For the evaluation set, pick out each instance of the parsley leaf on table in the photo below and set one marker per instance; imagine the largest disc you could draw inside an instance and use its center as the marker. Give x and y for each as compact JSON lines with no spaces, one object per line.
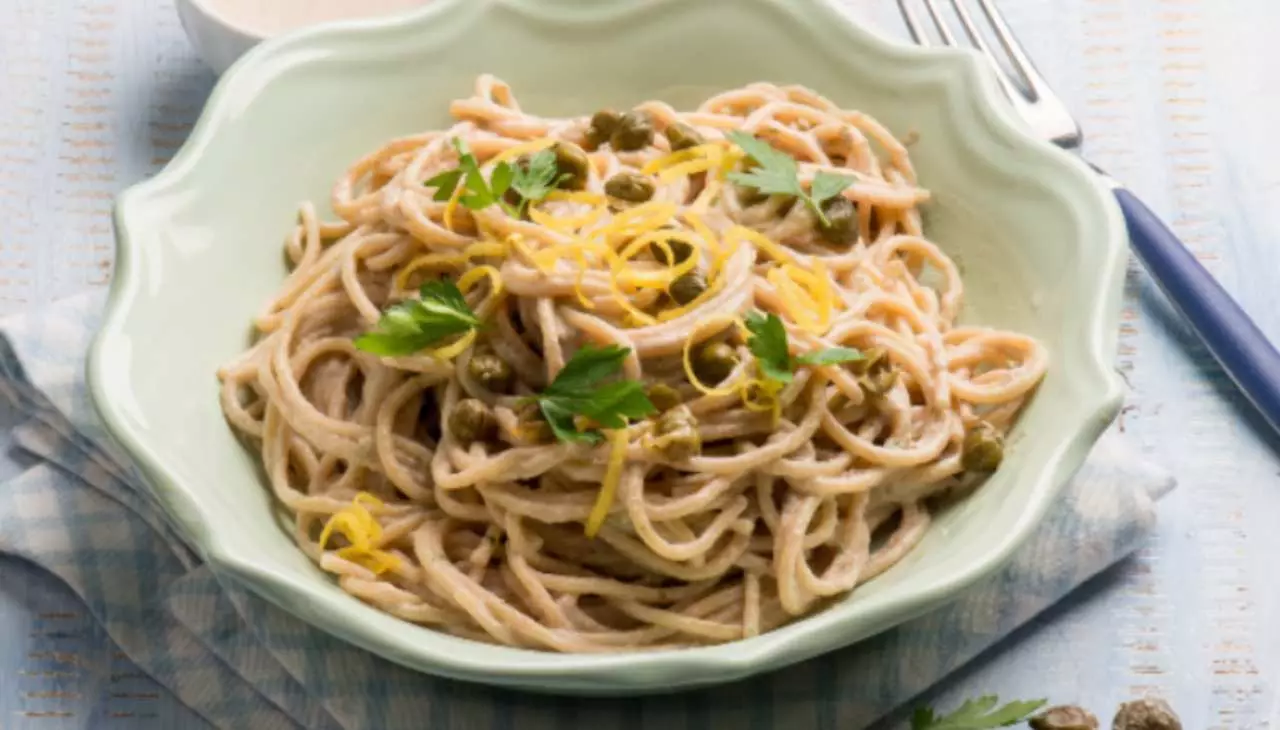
{"x":532,"y":181}
{"x":779,"y":174}
{"x":579,"y":390}
{"x":976,"y":714}
{"x":411,"y":325}
{"x":768,"y":342}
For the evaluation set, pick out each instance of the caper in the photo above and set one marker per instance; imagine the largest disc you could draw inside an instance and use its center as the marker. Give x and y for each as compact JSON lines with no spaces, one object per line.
{"x":471,"y":420}
{"x":1146,"y":714}
{"x":1064,"y":717}
{"x":842,"y":219}
{"x":748,"y":196}
{"x":676,"y":434}
{"x":603,"y":123}
{"x":491,"y":371}
{"x":532,"y":426}
{"x":714,"y":362}
{"x":680,"y":250}
{"x":629,"y":186}
{"x":572,"y":165}
{"x":681,"y":136}
{"x":983,"y":449}
{"x":663,"y":397}
{"x":875,"y":371}
{"x":634,"y":132}
{"x":687,"y":287}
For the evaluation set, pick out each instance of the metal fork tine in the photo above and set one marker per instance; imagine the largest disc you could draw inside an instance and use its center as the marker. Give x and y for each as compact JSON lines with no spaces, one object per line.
{"x":1027,"y":90}
{"x":913,"y":24}
{"x":1021,"y":61}
{"x":939,"y":22}
{"x":971,"y":29}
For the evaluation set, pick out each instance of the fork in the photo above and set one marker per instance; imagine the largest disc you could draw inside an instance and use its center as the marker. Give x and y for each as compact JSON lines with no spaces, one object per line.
{"x":1242,"y":350}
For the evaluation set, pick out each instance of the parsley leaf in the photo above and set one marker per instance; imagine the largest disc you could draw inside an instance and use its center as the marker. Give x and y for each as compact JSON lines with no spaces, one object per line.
{"x":578,"y":390}
{"x":779,"y":174}
{"x":976,"y":714}
{"x":768,"y":342}
{"x":414,"y":324}
{"x":830,"y":356}
{"x":532,"y":181}
{"x":538,"y":178}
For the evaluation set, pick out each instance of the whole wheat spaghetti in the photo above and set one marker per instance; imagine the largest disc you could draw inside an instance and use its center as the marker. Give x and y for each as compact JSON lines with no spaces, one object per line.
{"x":430,"y":483}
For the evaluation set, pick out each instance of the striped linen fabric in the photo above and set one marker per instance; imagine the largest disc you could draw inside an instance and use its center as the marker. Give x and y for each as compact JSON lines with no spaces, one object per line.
{"x":84,"y":513}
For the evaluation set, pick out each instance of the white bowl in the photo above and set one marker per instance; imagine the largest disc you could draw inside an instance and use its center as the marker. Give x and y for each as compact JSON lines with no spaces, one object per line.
{"x":1040,"y":242}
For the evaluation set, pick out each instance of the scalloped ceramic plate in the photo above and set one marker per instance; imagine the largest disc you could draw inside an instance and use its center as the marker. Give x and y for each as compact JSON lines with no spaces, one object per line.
{"x":1040,"y":243}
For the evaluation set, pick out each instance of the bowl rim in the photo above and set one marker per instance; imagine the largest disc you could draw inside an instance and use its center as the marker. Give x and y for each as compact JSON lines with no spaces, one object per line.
{"x":621,"y":672}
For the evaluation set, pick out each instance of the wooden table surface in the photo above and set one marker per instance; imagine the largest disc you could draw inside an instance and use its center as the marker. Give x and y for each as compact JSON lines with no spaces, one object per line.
{"x":1176,"y":100}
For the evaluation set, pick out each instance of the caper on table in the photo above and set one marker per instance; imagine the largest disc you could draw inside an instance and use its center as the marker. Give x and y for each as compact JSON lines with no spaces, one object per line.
{"x":1064,"y":717}
{"x":472,"y":420}
{"x":1146,"y":714}
{"x":634,"y":132}
{"x":629,"y":186}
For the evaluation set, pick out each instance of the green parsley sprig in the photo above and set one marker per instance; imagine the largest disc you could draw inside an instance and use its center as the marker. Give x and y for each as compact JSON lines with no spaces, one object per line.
{"x":579,"y":390}
{"x":976,"y":714}
{"x":779,"y":174}
{"x":411,"y":325}
{"x":531,"y":181}
{"x":768,"y":342}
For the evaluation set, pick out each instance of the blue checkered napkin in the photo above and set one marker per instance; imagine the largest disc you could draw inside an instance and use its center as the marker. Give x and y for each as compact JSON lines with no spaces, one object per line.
{"x":239,"y":662}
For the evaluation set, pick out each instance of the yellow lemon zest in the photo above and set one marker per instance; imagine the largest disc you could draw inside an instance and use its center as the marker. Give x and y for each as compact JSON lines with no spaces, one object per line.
{"x":609,"y":487}
{"x":660,"y":279}
{"x":740,"y":234}
{"x":455,"y":348}
{"x":566,"y":223}
{"x":361,"y":529}
{"x":468,"y":280}
{"x":676,"y":158}
{"x":525,"y":148}
{"x":483,"y":249}
{"x":796,"y":303}
{"x":515,"y":242}
{"x":816,"y":284}
{"x":577,"y":196}
{"x":634,"y":221}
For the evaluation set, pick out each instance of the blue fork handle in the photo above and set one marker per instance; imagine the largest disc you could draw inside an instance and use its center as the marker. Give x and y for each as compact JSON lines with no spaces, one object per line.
{"x":1239,"y":346}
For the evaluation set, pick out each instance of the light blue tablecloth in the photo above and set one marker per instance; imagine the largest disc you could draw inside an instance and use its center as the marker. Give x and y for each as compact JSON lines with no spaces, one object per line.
{"x":1176,"y":99}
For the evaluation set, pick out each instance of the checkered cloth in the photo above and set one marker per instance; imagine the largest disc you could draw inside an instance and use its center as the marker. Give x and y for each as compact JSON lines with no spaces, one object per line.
{"x":84,"y":514}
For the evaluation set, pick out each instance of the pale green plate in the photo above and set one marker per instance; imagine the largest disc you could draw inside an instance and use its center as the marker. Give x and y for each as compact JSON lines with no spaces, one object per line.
{"x":1041,"y":246}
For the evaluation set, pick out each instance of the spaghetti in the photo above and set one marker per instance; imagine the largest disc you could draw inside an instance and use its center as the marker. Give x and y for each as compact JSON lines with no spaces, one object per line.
{"x":746,"y":499}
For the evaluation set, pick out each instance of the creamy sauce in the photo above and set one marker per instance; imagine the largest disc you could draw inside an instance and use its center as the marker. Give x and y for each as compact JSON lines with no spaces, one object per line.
{"x":272,"y":17}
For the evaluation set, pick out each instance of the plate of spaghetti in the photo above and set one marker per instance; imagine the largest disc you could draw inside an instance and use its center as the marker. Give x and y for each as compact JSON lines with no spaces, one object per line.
{"x":610,"y":386}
